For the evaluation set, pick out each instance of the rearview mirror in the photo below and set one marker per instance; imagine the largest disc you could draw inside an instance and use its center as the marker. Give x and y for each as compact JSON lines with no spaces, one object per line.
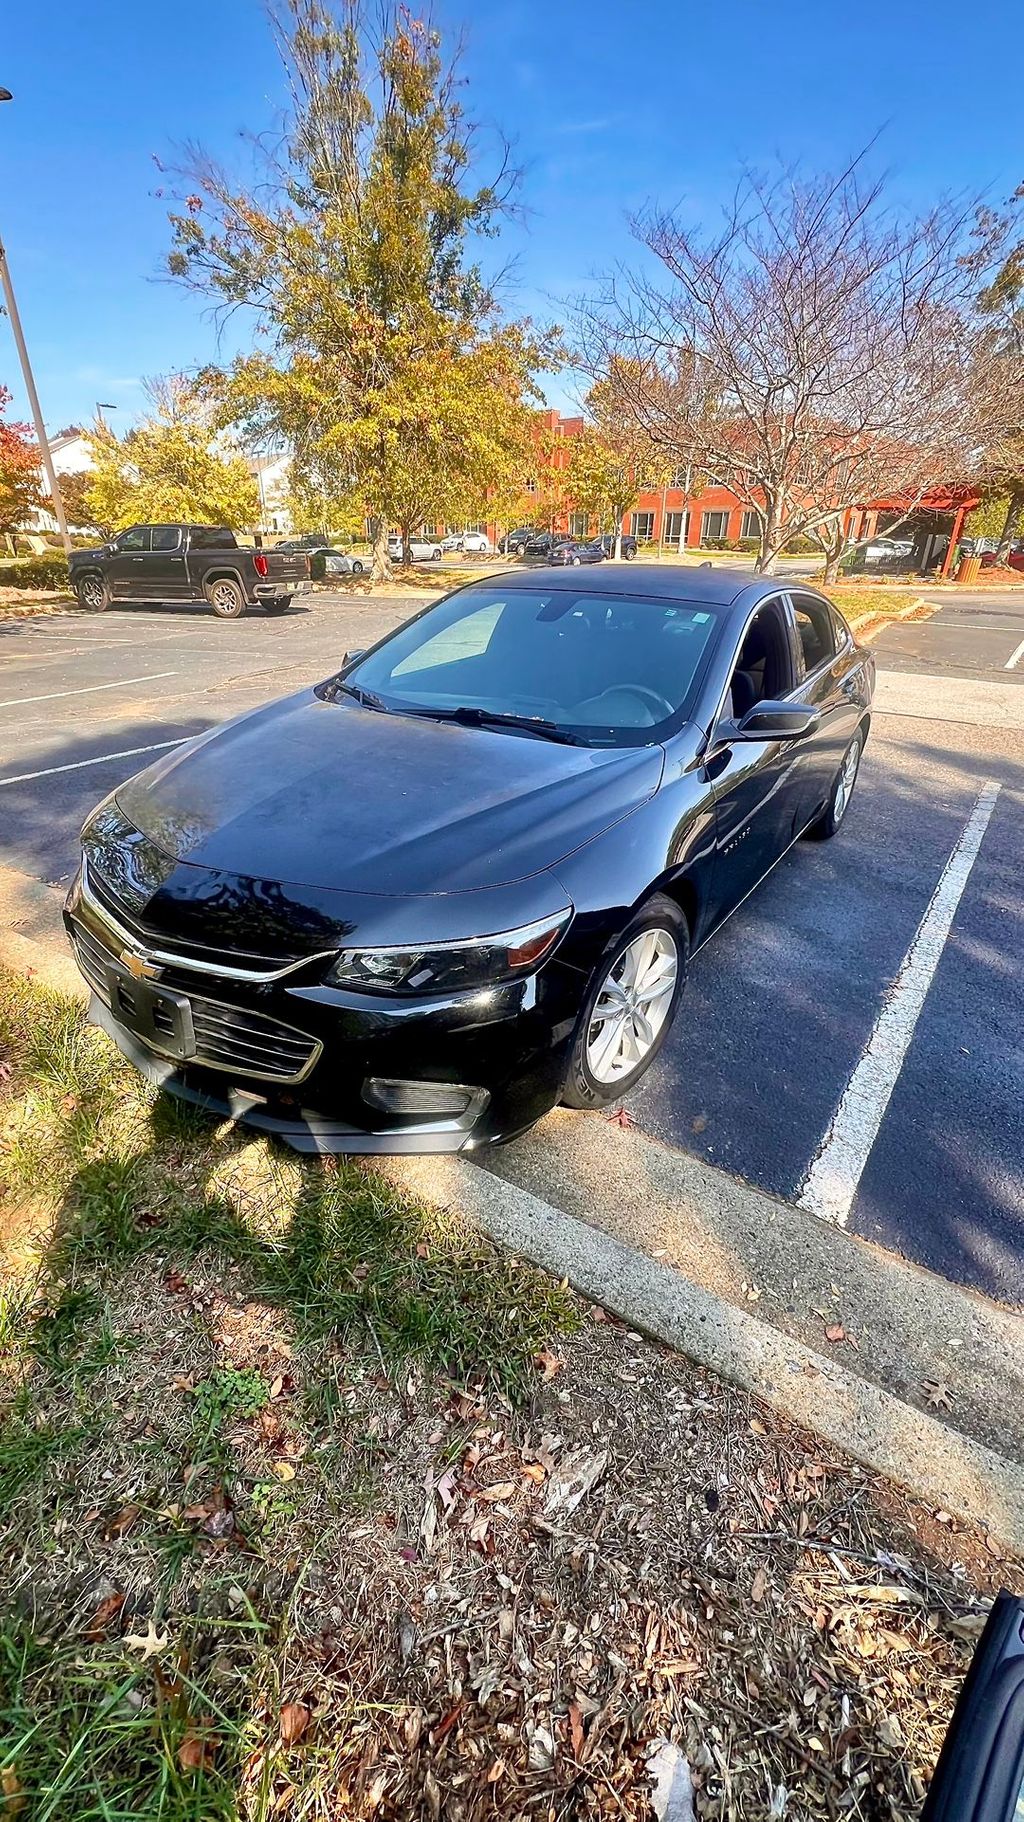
{"x":777,"y":721}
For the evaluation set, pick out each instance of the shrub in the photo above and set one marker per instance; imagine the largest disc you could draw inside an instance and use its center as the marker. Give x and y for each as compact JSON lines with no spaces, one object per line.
{"x":317,"y":566}
{"x":49,"y":571}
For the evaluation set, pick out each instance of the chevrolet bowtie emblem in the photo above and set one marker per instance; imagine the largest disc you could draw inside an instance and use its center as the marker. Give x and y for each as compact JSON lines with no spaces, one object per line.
{"x":138,"y":967}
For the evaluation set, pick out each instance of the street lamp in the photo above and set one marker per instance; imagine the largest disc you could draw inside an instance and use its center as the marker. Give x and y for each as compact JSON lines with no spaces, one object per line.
{"x":30,"y":385}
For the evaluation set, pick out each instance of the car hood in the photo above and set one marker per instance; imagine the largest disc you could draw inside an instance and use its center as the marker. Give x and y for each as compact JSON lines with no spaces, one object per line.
{"x":337,"y":797}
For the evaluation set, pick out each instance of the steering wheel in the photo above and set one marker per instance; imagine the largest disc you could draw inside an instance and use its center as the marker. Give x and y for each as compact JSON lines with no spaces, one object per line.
{"x":660,"y":705}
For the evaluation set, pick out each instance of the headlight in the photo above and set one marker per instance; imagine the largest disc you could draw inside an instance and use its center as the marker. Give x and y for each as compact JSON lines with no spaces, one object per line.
{"x":478,"y":961}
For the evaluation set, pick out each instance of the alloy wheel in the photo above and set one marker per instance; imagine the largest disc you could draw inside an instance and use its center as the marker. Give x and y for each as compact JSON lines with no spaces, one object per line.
{"x":846,"y":781}
{"x":632,"y":1005}
{"x":92,"y":591}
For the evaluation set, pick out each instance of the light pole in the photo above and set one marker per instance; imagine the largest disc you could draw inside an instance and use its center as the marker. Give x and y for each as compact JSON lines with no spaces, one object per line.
{"x":30,"y":385}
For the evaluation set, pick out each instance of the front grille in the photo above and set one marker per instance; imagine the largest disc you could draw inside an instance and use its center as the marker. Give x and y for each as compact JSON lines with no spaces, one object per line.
{"x":231,"y":1038}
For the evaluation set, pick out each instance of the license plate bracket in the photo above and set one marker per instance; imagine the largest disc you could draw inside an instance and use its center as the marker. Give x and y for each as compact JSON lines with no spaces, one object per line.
{"x":159,"y":1017}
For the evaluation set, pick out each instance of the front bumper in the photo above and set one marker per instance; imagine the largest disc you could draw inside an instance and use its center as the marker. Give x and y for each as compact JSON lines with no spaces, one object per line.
{"x":295,"y":1056}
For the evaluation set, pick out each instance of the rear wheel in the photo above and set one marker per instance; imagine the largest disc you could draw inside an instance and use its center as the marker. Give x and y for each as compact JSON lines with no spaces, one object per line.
{"x":357,"y":568}
{"x":630,"y":1006}
{"x":226,"y":599}
{"x":629,"y":555}
{"x":842,"y":790}
{"x":93,"y":593}
{"x":278,"y":606}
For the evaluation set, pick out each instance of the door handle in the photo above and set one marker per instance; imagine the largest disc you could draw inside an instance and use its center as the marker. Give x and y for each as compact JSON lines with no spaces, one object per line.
{"x":137,"y":559}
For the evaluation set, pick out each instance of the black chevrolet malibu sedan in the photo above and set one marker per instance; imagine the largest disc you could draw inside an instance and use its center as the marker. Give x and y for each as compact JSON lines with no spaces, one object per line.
{"x":414,"y":906}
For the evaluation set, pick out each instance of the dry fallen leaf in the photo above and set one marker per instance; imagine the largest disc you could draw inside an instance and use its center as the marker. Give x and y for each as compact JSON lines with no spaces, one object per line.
{"x":937,"y":1394}
{"x":496,"y":1771}
{"x":284,"y":1470}
{"x":294,"y":1720}
{"x":576,"y":1729}
{"x":547,"y":1363}
{"x":835,"y":1331}
{"x":13,"y":1795}
{"x":198,"y":1747}
{"x":104,"y":1616}
{"x":759,"y":1584}
{"x":123,"y":1521}
{"x":502,"y":1489}
{"x":150,"y":1644}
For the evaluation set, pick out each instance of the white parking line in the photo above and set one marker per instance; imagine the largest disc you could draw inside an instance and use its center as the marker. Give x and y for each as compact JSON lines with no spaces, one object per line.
{"x":159,"y":746}
{"x":1014,"y":658}
{"x":89,"y":689}
{"x":831,"y":1183}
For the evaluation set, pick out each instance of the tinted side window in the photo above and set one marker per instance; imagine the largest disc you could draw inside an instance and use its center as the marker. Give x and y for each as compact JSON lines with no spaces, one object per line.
{"x":213,"y":537}
{"x":135,"y":539}
{"x":166,"y":537}
{"x":814,"y":624}
{"x":842,"y":631}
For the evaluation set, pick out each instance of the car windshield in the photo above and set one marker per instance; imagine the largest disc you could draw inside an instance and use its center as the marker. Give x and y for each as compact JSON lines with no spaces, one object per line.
{"x":605,"y":669}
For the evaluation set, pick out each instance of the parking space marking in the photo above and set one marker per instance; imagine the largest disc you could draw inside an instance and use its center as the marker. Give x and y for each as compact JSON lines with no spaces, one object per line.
{"x":159,"y":746}
{"x":1014,"y":658}
{"x":88,"y":689}
{"x":831,"y":1183}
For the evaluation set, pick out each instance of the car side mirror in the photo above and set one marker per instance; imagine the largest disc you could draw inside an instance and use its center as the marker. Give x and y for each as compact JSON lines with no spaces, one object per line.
{"x":777,"y":721}
{"x":350,"y":657}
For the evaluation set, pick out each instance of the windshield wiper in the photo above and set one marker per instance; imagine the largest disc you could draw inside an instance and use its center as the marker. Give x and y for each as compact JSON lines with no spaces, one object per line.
{"x":334,"y":687}
{"x":472,"y":717}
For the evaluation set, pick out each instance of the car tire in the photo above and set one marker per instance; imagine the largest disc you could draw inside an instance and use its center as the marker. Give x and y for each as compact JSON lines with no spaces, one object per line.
{"x":591,"y":1079}
{"x":575,"y":562}
{"x":357,"y":567}
{"x":279,"y":606}
{"x":226,"y":599}
{"x":827,"y":824}
{"x":517,"y":550}
{"x":629,"y":555}
{"x":92,"y":592}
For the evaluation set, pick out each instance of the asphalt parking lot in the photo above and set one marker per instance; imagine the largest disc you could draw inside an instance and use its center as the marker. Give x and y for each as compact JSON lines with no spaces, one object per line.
{"x":858,"y":1022}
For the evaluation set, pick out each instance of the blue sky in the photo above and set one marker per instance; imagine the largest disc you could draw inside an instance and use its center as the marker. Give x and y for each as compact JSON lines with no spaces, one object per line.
{"x":609,"y":106}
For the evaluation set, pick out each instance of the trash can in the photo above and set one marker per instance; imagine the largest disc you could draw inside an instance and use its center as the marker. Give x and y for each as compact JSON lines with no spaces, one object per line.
{"x":969,"y":570}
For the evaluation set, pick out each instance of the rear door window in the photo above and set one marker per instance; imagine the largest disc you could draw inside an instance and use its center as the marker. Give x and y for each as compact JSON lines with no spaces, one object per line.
{"x":816,"y":630}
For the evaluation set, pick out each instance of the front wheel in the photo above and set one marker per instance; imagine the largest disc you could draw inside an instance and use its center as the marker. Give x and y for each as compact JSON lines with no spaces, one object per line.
{"x":629,"y":1007}
{"x":226,"y":599}
{"x":93,"y":593}
{"x":357,"y":568}
{"x":835,"y":810}
{"x":629,"y":555}
{"x":437,"y":554}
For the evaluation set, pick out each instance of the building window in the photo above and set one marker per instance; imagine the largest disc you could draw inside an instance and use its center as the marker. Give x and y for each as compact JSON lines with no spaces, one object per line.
{"x":714,"y":525}
{"x":641,"y":524}
{"x":679,"y":478}
{"x":531,"y":487}
{"x":431,"y":531}
{"x":750,"y":525}
{"x":478,"y":525}
{"x":677,"y":527}
{"x":579,"y":524}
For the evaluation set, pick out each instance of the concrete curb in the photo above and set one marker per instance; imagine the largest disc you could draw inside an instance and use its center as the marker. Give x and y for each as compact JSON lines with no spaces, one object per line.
{"x":936,"y":1463}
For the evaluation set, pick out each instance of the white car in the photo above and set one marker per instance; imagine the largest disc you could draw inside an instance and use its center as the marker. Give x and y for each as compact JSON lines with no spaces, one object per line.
{"x":420,"y":549}
{"x":476,"y":541}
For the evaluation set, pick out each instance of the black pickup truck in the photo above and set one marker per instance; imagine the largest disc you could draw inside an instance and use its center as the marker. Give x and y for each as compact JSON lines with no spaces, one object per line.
{"x":187,"y":563}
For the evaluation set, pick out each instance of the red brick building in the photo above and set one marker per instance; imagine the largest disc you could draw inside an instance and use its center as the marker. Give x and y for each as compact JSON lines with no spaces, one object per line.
{"x":675,"y":516}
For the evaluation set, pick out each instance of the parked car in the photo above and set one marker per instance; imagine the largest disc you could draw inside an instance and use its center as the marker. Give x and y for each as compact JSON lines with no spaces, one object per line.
{"x":575,"y":551}
{"x":336,"y":562}
{"x":627,"y":545}
{"x":888,"y":552}
{"x":414,"y":906}
{"x":514,"y":543}
{"x":542,"y":543}
{"x":421,"y":550}
{"x":187,"y":563}
{"x":476,"y":543}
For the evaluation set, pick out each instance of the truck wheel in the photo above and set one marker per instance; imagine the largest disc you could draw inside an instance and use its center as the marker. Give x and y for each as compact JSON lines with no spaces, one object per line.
{"x":226,"y":599}
{"x":278,"y":606}
{"x":93,"y":593}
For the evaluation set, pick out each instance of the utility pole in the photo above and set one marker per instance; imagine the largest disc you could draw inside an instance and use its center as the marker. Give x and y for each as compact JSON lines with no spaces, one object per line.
{"x":30,"y":385}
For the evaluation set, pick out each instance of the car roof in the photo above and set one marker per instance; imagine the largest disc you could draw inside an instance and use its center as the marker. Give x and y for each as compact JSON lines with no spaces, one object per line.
{"x":675,"y":583}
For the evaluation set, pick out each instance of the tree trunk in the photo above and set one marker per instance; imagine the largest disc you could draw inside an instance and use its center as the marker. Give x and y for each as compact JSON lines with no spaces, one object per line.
{"x":380,"y":562}
{"x":772,"y":539}
{"x":1011,"y":524}
{"x":406,"y":544}
{"x":833,"y":558}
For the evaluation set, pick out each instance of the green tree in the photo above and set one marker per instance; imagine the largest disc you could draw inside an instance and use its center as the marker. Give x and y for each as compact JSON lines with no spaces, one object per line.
{"x":352,"y":254}
{"x":74,"y":491}
{"x":169,"y":466}
{"x":20,"y":475}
